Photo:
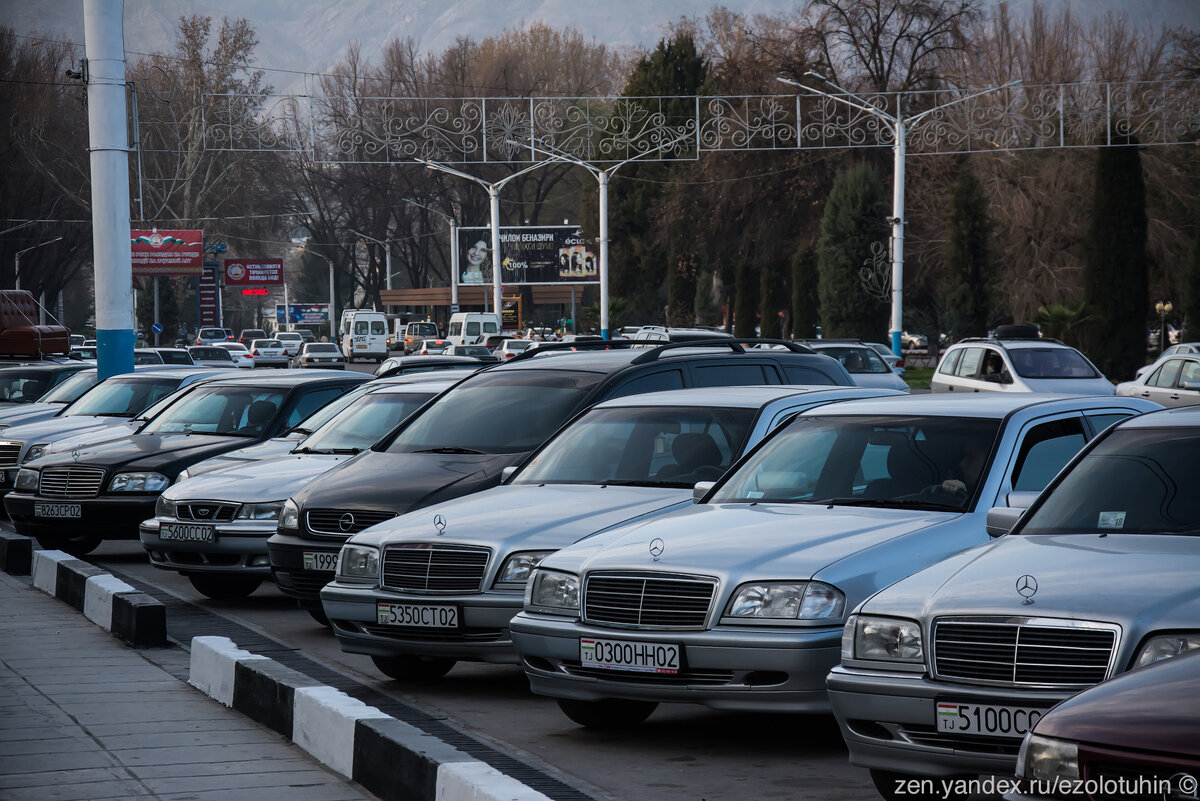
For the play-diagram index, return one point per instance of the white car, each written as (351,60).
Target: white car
(1183,347)
(268,353)
(511,347)
(241,356)
(1174,381)
(998,364)
(212,356)
(861,361)
(291,341)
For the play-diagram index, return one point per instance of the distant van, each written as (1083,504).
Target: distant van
(408,334)
(471,328)
(367,336)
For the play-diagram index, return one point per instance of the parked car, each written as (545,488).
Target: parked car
(891,359)
(626,459)
(1133,736)
(77,340)
(88,352)
(241,354)
(73,501)
(490,420)
(946,671)
(830,509)
(325,355)
(495,341)
(178,356)
(306,334)
(50,403)
(1174,382)
(291,341)
(861,361)
(268,353)
(409,334)
(27,383)
(147,356)
(430,347)
(658,333)
(511,347)
(913,341)
(210,336)
(471,328)
(1026,364)
(110,402)
(212,356)
(248,336)
(1174,350)
(213,528)
(366,337)
(402,365)
(479,352)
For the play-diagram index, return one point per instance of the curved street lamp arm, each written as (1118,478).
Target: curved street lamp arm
(861,105)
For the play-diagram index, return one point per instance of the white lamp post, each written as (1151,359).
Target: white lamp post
(899,126)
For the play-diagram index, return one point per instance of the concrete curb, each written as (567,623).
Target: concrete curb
(388,757)
(104,599)
(16,554)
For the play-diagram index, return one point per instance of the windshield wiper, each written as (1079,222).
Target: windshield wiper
(887,503)
(448,450)
(299,430)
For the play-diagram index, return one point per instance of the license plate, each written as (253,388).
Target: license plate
(61,510)
(990,721)
(360,347)
(644,657)
(424,616)
(320,560)
(187,532)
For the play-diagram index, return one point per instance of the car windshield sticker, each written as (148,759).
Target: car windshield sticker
(754,494)
(1112,520)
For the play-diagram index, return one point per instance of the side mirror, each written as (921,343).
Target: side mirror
(700,489)
(1192,385)
(507,473)
(1001,519)
(1021,500)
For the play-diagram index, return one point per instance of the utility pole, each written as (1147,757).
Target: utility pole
(109,145)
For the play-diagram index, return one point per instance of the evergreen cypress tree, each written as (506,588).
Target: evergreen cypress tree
(853,219)
(1189,309)
(775,292)
(964,283)
(1115,279)
(804,293)
(745,302)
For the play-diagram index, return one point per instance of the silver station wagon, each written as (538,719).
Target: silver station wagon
(454,573)
(738,602)
(943,673)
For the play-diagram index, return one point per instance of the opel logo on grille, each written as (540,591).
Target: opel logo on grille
(346,522)
(1027,587)
(439,523)
(657,546)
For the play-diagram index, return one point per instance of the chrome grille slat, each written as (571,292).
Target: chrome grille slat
(70,482)
(10,454)
(648,600)
(1023,652)
(327,522)
(434,567)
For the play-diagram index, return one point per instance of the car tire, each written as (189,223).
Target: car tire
(318,614)
(608,713)
(77,545)
(412,668)
(897,786)
(223,588)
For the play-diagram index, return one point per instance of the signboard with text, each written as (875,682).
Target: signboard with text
(208,296)
(303,314)
(253,272)
(158,253)
(529,255)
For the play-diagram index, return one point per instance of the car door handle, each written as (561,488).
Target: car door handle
(1175,396)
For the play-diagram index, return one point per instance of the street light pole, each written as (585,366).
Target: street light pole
(899,126)
(387,254)
(17,262)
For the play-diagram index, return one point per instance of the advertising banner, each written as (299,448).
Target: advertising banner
(158,253)
(208,296)
(253,272)
(529,255)
(303,314)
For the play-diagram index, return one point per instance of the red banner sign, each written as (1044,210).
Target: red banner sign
(255,291)
(259,272)
(156,253)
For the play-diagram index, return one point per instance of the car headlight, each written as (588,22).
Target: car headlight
(517,567)
(358,563)
(1045,759)
(1156,649)
(164,507)
(887,639)
(27,479)
(260,511)
(139,482)
(552,592)
(289,515)
(36,451)
(778,600)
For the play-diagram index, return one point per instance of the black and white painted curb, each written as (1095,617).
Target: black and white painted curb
(103,598)
(388,757)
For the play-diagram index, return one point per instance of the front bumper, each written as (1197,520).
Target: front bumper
(238,548)
(757,669)
(483,635)
(286,552)
(888,721)
(108,516)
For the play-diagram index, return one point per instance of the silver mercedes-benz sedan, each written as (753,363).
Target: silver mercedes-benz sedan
(738,601)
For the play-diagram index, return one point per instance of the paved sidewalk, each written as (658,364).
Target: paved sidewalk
(82,717)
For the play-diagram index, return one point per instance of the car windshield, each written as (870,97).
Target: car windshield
(904,461)
(472,350)
(856,359)
(1135,481)
(322,347)
(71,388)
(122,396)
(233,347)
(176,357)
(239,411)
(330,410)
(423,330)
(212,333)
(654,446)
(23,386)
(363,423)
(212,354)
(497,412)
(1050,363)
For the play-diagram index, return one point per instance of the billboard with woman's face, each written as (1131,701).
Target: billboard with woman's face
(544,254)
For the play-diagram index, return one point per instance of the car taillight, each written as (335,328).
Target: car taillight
(899,362)
(509,355)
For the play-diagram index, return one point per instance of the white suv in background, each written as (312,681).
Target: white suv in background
(1018,364)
